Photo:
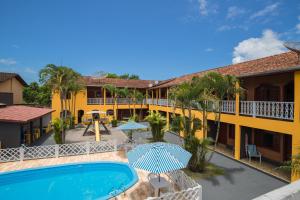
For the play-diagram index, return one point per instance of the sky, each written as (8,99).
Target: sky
(156,39)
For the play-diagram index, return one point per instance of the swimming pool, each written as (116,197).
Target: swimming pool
(96,180)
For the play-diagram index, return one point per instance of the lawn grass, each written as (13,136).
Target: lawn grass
(210,171)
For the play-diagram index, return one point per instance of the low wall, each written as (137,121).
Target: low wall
(288,192)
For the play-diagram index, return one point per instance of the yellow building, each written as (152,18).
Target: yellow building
(267,116)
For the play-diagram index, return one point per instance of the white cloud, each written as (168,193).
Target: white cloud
(7,61)
(234,11)
(209,49)
(254,48)
(225,28)
(203,7)
(267,10)
(30,70)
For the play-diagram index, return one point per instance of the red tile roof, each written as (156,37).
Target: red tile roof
(96,81)
(22,114)
(262,65)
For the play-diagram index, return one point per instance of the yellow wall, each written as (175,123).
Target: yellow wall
(13,86)
(81,104)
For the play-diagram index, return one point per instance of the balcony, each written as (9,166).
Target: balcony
(268,109)
(264,109)
(95,101)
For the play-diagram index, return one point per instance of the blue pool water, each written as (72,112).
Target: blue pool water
(72,181)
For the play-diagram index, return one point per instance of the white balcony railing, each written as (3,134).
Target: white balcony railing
(268,109)
(95,101)
(109,101)
(162,102)
(124,101)
(228,107)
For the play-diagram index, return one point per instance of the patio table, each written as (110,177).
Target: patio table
(159,184)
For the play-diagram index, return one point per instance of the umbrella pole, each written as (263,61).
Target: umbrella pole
(159,188)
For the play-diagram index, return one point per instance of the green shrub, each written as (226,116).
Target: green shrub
(114,123)
(58,126)
(157,123)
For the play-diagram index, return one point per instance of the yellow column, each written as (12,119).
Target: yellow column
(237,140)
(104,96)
(296,134)
(115,108)
(168,121)
(97,132)
(147,96)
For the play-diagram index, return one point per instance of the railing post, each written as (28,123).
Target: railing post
(254,108)
(56,151)
(87,148)
(21,153)
(115,145)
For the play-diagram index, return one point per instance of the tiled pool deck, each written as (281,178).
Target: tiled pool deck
(140,190)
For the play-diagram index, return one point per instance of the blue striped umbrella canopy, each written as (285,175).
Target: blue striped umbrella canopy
(131,125)
(158,157)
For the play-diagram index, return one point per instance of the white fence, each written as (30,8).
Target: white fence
(188,188)
(55,151)
(268,109)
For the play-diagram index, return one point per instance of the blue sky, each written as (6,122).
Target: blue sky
(155,39)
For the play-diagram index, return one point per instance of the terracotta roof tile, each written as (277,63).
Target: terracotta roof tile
(95,81)
(267,64)
(22,114)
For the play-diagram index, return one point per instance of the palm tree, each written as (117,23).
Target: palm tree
(218,88)
(113,91)
(139,96)
(61,80)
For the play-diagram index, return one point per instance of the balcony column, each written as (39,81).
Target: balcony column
(146,97)
(237,140)
(157,96)
(115,106)
(168,97)
(104,96)
(296,134)
(168,120)
(152,96)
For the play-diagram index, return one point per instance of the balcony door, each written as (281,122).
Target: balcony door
(267,92)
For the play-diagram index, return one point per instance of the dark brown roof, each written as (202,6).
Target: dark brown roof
(271,63)
(99,81)
(6,76)
(22,114)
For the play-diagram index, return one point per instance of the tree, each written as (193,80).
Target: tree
(61,80)
(219,87)
(113,91)
(157,123)
(139,96)
(37,94)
